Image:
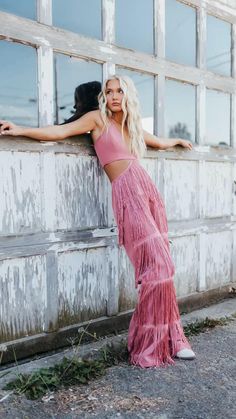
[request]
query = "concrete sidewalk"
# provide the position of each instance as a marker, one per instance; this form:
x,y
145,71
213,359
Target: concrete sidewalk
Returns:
x,y
204,388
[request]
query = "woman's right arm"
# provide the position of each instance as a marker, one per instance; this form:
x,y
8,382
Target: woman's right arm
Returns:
x,y
52,132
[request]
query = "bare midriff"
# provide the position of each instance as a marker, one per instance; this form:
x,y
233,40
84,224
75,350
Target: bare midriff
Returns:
x,y
114,169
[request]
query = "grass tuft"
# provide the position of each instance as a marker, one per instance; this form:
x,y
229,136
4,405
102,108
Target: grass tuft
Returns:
x,y
67,373
201,326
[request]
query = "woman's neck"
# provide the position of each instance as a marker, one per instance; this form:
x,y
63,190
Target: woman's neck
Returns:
x,y
117,117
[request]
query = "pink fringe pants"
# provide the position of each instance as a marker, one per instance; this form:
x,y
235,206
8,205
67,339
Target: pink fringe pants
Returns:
x,y
155,332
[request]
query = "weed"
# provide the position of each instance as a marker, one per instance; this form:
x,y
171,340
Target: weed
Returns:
x,y
203,325
64,374
69,372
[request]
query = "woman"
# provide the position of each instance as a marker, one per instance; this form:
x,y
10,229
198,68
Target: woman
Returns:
x,y
86,99
155,333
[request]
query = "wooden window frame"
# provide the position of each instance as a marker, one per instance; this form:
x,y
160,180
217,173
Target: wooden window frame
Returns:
x,y
48,39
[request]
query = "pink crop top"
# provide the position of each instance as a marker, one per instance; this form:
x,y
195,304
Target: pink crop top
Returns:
x,y
110,146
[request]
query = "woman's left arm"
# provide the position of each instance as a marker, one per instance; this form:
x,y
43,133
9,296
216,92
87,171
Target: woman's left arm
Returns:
x,y
163,143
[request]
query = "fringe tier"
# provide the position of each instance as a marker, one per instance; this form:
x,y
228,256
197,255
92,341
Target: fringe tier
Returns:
x,y
155,333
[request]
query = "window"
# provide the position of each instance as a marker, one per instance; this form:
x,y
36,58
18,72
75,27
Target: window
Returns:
x,y
134,24
23,8
18,84
218,48
78,16
144,84
180,110
69,73
180,33
134,28
217,117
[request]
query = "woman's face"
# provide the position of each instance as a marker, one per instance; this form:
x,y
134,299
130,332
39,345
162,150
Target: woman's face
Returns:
x,y
114,95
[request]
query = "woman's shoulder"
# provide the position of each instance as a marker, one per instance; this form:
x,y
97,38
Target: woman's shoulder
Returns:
x,y
100,120
99,124
99,117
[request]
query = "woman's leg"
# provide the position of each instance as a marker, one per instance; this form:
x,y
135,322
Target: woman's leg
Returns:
x,y
155,333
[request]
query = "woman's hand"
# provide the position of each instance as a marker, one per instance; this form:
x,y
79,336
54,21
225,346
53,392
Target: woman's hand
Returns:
x,y
185,143
8,128
164,143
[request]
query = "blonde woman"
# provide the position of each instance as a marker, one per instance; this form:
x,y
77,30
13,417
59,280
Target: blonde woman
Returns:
x,y
155,335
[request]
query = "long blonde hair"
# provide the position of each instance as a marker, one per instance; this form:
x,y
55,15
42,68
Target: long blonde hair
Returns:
x,y
131,113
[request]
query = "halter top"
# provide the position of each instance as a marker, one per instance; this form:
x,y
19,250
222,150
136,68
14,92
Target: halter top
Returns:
x,y
110,146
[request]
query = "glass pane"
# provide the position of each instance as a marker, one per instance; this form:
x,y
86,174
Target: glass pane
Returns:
x,y
134,24
78,16
217,117
23,8
180,33
144,84
18,85
69,73
180,110
218,53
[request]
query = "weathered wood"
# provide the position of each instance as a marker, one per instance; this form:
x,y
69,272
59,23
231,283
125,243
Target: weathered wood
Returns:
x,y
233,97
44,11
22,297
82,145
36,34
45,85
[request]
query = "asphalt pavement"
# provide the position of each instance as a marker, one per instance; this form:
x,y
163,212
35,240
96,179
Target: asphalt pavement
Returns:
x,y
204,388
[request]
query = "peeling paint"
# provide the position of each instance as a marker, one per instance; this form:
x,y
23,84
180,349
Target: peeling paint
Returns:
x,y
218,258
184,251
83,285
81,193
42,41
180,196
20,209
23,297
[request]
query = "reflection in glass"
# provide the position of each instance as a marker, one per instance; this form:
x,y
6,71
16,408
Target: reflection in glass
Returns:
x,y
69,73
218,55
134,24
78,16
144,84
180,110
23,8
180,33
18,84
217,117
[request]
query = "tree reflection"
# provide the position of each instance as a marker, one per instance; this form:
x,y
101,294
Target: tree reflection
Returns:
x,y
180,131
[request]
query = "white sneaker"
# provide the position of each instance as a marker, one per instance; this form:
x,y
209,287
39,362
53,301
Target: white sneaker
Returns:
x,y
185,353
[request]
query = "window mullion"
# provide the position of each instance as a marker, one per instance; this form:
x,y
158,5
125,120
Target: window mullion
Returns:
x,y
45,67
108,32
45,85
201,88
44,11
233,96
159,85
